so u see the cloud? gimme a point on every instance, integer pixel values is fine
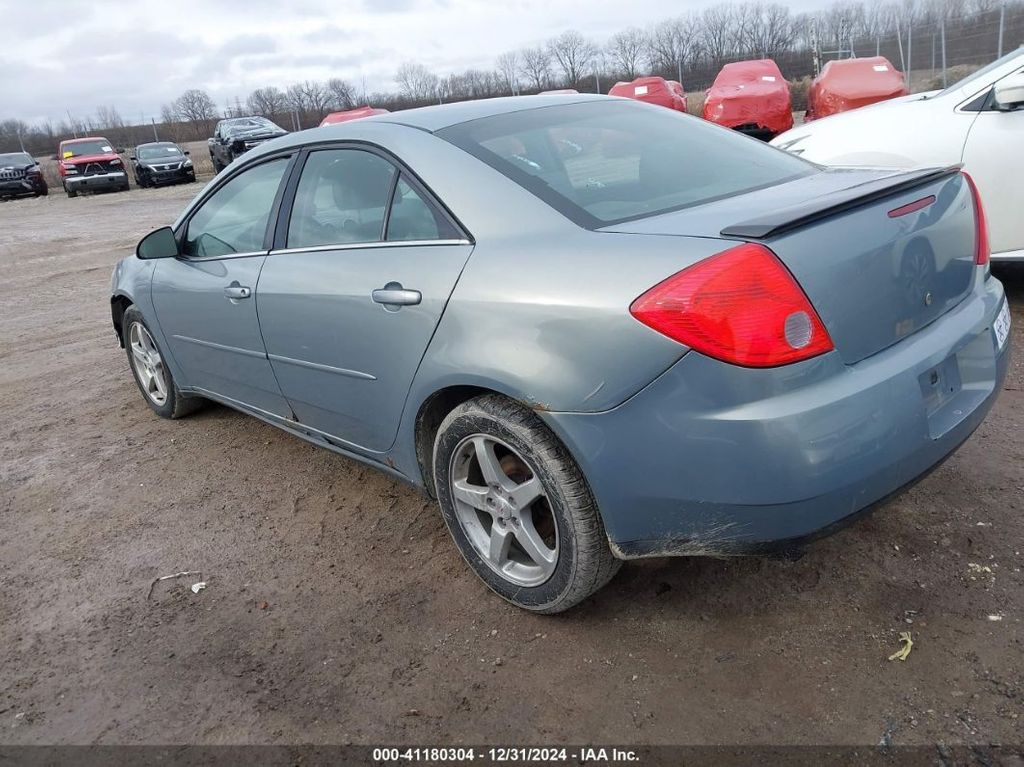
(64, 56)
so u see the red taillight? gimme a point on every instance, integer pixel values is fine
(983, 249)
(741, 306)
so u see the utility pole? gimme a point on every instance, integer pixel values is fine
(878, 46)
(597, 83)
(153, 120)
(910, 50)
(680, 69)
(942, 33)
(933, 54)
(899, 40)
(1002, 25)
(815, 53)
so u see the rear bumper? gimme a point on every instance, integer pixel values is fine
(97, 182)
(718, 460)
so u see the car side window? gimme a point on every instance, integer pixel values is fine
(342, 198)
(414, 218)
(234, 219)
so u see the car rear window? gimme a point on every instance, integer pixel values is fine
(605, 162)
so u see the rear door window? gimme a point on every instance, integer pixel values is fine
(412, 217)
(342, 198)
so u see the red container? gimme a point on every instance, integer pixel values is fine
(851, 83)
(752, 96)
(351, 114)
(653, 90)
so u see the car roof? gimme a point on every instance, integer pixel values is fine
(83, 138)
(434, 118)
(156, 143)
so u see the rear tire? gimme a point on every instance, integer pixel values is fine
(71, 192)
(151, 374)
(526, 523)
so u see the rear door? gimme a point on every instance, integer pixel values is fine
(205, 300)
(350, 300)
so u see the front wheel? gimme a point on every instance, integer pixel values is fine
(151, 372)
(71, 192)
(518, 507)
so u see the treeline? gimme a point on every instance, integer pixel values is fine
(691, 47)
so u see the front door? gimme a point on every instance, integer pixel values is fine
(205, 299)
(348, 307)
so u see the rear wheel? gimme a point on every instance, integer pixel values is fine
(150, 372)
(71, 192)
(518, 507)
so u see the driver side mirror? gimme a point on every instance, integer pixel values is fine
(1010, 92)
(187, 153)
(158, 244)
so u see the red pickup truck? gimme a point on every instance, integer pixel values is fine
(90, 165)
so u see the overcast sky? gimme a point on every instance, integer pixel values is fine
(74, 55)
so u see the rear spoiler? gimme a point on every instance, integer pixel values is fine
(795, 216)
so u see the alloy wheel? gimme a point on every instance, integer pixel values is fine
(147, 363)
(504, 510)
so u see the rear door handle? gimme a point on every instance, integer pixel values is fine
(237, 291)
(393, 294)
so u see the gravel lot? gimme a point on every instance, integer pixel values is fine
(339, 611)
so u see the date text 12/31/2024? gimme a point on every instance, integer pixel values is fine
(496, 755)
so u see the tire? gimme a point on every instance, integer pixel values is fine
(576, 560)
(43, 192)
(172, 403)
(71, 192)
(217, 167)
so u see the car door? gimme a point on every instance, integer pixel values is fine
(350, 301)
(994, 156)
(204, 299)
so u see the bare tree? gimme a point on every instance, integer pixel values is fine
(268, 102)
(508, 67)
(716, 32)
(108, 117)
(626, 52)
(573, 53)
(196, 108)
(340, 93)
(671, 44)
(536, 66)
(416, 82)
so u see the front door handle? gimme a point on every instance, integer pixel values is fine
(393, 294)
(236, 291)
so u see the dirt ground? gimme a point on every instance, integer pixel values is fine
(339, 611)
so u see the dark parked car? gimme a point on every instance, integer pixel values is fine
(236, 136)
(676, 341)
(162, 162)
(20, 174)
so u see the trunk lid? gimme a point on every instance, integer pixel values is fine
(879, 254)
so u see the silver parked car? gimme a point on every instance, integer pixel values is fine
(669, 339)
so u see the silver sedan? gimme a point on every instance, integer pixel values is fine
(593, 329)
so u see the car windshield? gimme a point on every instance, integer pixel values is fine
(158, 152)
(16, 158)
(243, 124)
(984, 71)
(84, 148)
(605, 162)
